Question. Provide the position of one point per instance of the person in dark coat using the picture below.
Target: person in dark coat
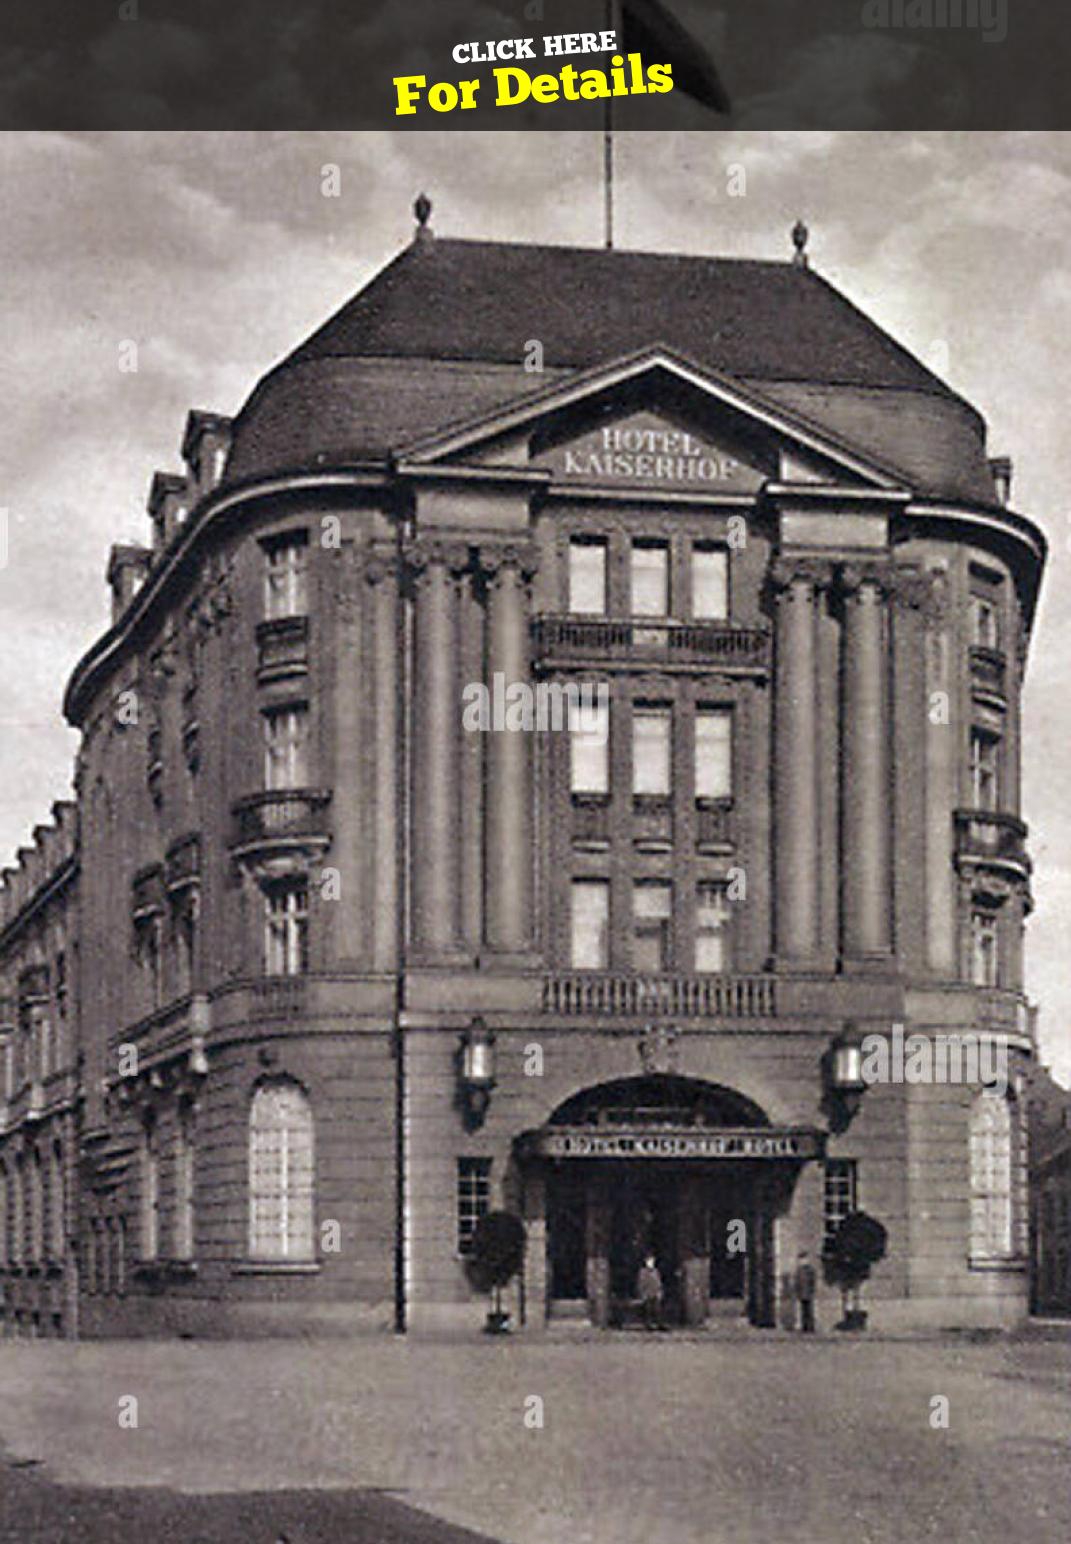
(649, 1292)
(806, 1286)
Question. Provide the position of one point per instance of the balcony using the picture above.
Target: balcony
(147, 892)
(280, 822)
(713, 828)
(595, 993)
(988, 672)
(991, 839)
(578, 640)
(282, 648)
(183, 865)
(591, 821)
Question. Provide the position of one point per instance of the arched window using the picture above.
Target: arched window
(992, 1232)
(280, 1174)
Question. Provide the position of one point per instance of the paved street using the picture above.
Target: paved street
(664, 1441)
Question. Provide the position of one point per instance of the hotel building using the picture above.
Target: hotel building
(316, 971)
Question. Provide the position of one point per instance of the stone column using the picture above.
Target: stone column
(381, 574)
(795, 842)
(435, 825)
(508, 839)
(599, 1221)
(866, 796)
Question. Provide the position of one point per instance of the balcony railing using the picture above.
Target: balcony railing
(726, 644)
(988, 669)
(282, 648)
(632, 996)
(281, 816)
(990, 836)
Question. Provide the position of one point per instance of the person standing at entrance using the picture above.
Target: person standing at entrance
(806, 1285)
(649, 1292)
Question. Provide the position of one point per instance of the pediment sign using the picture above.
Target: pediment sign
(647, 450)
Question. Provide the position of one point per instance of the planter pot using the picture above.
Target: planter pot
(496, 1323)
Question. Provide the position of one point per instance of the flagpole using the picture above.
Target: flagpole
(608, 142)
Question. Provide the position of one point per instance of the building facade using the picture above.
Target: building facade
(573, 701)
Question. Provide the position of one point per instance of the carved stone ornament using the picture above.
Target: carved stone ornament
(657, 1047)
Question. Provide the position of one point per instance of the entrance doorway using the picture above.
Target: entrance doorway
(689, 1173)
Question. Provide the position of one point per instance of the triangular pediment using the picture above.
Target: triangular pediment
(653, 420)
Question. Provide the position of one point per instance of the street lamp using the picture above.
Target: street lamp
(476, 1071)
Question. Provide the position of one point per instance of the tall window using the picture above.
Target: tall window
(286, 738)
(710, 583)
(286, 942)
(985, 629)
(37, 1208)
(985, 957)
(57, 1231)
(838, 1195)
(983, 770)
(991, 1176)
(280, 1174)
(713, 753)
(587, 577)
(590, 924)
(651, 750)
(473, 1198)
(184, 1161)
(652, 907)
(650, 579)
(184, 926)
(17, 1240)
(589, 741)
(286, 576)
(147, 941)
(7, 1068)
(711, 929)
(150, 1192)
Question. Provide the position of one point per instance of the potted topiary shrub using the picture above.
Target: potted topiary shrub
(497, 1256)
(857, 1246)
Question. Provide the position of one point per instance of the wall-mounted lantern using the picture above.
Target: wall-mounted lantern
(476, 1071)
(846, 1084)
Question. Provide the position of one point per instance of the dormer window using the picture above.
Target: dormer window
(286, 575)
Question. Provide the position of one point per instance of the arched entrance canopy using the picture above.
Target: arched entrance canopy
(660, 1100)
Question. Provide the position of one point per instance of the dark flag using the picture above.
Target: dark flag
(649, 28)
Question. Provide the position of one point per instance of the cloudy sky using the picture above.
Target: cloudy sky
(217, 254)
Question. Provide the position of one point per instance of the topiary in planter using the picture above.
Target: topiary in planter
(858, 1244)
(497, 1256)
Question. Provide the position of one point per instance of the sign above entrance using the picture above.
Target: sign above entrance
(589, 1142)
(646, 451)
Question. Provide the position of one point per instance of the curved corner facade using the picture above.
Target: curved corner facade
(548, 799)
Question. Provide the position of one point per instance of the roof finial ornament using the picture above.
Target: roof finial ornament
(422, 210)
(800, 234)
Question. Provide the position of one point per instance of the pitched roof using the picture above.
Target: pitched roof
(483, 301)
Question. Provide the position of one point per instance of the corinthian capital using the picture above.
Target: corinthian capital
(878, 575)
(786, 572)
(501, 558)
(428, 553)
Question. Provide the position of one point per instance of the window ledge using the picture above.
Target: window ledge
(1015, 1265)
(276, 1268)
